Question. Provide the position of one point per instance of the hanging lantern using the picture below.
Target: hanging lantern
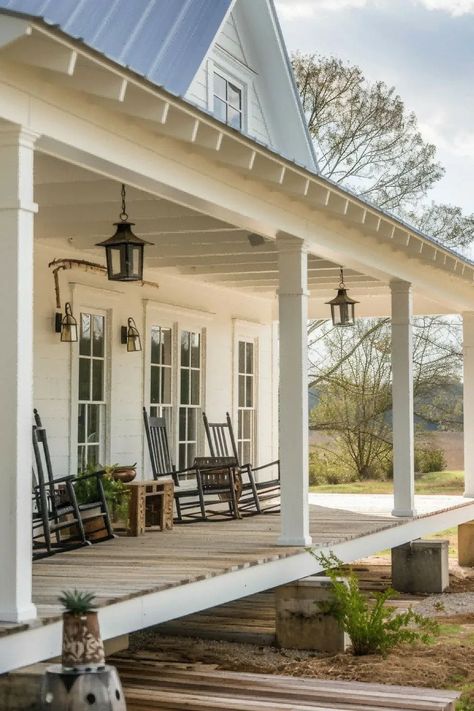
(131, 336)
(342, 306)
(66, 325)
(124, 251)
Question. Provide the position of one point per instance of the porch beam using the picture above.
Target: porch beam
(402, 399)
(16, 375)
(468, 399)
(293, 421)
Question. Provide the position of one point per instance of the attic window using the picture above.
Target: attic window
(227, 102)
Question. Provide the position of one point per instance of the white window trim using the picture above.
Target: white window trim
(223, 69)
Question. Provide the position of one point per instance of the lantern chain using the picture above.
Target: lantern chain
(123, 214)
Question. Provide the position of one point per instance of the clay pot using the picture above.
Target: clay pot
(125, 473)
(82, 643)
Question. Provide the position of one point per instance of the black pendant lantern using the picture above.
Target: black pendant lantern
(131, 337)
(67, 325)
(342, 306)
(124, 251)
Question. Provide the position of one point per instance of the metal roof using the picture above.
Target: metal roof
(163, 40)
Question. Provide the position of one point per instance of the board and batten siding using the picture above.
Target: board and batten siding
(228, 56)
(177, 302)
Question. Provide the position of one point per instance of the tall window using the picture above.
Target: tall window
(190, 396)
(91, 413)
(246, 402)
(227, 102)
(161, 375)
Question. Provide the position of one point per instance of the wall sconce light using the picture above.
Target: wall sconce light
(342, 306)
(131, 337)
(124, 250)
(66, 325)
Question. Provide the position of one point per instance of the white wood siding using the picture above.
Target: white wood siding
(180, 301)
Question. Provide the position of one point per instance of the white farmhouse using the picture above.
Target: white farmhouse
(190, 104)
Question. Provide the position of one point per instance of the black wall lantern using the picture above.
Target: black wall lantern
(124, 251)
(131, 337)
(342, 306)
(66, 325)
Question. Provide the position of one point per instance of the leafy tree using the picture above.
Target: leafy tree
(366, 139)
(351, 374)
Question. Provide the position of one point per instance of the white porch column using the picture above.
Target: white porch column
(468, 400)
(16, 373)
(402, 398)
(293, 424)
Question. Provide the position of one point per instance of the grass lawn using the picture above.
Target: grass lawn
(450, 483)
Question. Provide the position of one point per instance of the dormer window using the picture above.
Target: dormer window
(227, 101)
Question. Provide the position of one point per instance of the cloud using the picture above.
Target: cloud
(295, 9)
(453, 7)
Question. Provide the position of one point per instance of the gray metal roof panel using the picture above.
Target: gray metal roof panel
(164, 40)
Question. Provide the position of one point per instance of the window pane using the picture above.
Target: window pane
(93, 423)
(195, 381)
(185, 348)
(84, 379)
(81, 430)
(220, 110)
(220, 86)
(182, 423)
(192, 417)
(234, 118)
(234, 96)
(249, 358)
(85, 337)
(166, 348)
(182, 456)
(246, 452)
(241, 357)
(249, 393)
(81, 459)
(155, 384)
(191, 454)
(156, 345)
(166, 385)
(93, 455)
(241, 390)
(195, 350)
(185, 387)
(98, 336)
(247, 417)
(98, 380)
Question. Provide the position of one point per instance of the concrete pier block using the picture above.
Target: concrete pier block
(466, 544)
(300, 623)
(421, 566)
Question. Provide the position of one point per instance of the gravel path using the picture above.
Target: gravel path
(447, 604)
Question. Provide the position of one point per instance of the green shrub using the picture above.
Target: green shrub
(116, 493)
(325, 469)
(372, 626)
(429, 460)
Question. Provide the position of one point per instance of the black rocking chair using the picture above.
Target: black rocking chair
(221, 441)
(62, 491)
(187, 498)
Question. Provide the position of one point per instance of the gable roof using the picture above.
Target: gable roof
(166, 41)
(163, 40)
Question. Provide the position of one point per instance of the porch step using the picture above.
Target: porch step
(152, 685)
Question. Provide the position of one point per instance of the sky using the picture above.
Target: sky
(425, 48)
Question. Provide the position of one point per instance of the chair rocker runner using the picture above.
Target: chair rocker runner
(61, 496)
(221, 441)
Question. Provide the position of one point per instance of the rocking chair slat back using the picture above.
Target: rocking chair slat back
(220, 438)
(158, 445)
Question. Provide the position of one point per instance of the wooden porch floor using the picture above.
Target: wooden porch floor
(128, 569)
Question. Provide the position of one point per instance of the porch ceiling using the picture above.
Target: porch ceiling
(78, 207)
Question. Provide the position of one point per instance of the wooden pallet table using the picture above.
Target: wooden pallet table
(151, 505)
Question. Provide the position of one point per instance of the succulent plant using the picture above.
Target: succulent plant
(77, 602)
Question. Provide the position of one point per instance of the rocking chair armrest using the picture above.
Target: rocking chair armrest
(98, 474)
(183, 471)
(276, 463)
